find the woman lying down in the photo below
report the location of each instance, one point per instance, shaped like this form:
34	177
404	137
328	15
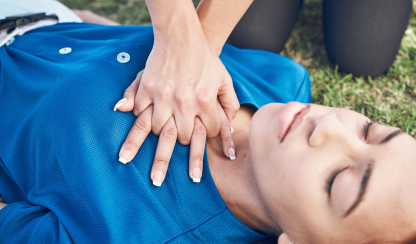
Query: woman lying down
303	172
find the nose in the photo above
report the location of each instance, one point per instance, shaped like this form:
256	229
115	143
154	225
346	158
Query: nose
327	129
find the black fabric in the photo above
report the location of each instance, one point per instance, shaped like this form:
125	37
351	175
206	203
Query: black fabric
362	37
266	25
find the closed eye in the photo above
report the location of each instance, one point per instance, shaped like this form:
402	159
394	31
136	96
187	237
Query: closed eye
330	181
366	128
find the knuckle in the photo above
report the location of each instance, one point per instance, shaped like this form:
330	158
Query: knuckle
155	130
146	86
199	130
228	139
196	158
213	132
163	91
236	107
132	143
184	141
225	122
180	98
204	99
136	112
169	133
141	126
130	90
163	161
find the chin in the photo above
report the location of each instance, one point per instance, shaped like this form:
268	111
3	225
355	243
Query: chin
263	128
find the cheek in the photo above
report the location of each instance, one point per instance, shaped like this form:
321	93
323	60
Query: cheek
295	201
286	182
292	188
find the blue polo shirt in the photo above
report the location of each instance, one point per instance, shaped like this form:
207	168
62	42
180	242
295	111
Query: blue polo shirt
59	142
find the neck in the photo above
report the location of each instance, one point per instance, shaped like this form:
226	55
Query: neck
235	179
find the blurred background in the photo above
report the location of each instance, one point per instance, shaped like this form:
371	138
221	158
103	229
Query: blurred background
389	99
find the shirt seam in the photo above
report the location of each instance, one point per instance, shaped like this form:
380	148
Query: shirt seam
193	229
177	195
301	85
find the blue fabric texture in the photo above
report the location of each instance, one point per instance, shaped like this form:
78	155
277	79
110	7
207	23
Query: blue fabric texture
59	142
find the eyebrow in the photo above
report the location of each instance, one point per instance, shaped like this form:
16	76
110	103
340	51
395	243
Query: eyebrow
364	183
389	137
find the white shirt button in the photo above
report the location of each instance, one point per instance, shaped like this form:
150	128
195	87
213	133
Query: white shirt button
65	50
9	42
123	57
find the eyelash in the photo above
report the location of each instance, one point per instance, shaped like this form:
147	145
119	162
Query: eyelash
334	174
330	181
367	126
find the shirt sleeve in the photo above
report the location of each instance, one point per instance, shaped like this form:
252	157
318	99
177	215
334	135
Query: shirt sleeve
304	94
21	222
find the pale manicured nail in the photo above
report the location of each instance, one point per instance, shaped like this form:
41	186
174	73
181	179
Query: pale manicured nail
124	156
157	178
120	103
232	130
196	175
231	153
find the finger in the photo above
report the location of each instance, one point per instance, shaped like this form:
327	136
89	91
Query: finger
136	136
226	137
127	103
161	115
143	95
167	140
185	125
197	149
184	112
211	120
228	99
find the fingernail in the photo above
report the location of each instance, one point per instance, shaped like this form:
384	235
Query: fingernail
232	130
157	178
120	103
196	175
231	153
124	156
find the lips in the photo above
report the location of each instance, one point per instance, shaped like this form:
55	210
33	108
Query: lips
287	116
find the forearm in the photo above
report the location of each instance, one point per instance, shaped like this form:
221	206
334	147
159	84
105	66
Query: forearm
219	17
90	17
175	22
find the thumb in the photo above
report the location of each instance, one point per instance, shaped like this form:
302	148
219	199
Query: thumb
127	103
228	99
284	239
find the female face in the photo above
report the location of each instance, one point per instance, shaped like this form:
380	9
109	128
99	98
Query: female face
329	175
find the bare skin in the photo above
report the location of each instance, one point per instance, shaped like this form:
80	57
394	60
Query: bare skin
218	19
2	205
280	185
263	191
90	17
334	177
235	179
185	82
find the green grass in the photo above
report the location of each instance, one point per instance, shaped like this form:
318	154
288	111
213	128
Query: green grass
388	99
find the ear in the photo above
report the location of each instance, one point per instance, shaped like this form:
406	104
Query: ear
284	239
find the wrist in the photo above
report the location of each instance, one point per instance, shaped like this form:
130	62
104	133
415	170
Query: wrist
218	19
174	20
